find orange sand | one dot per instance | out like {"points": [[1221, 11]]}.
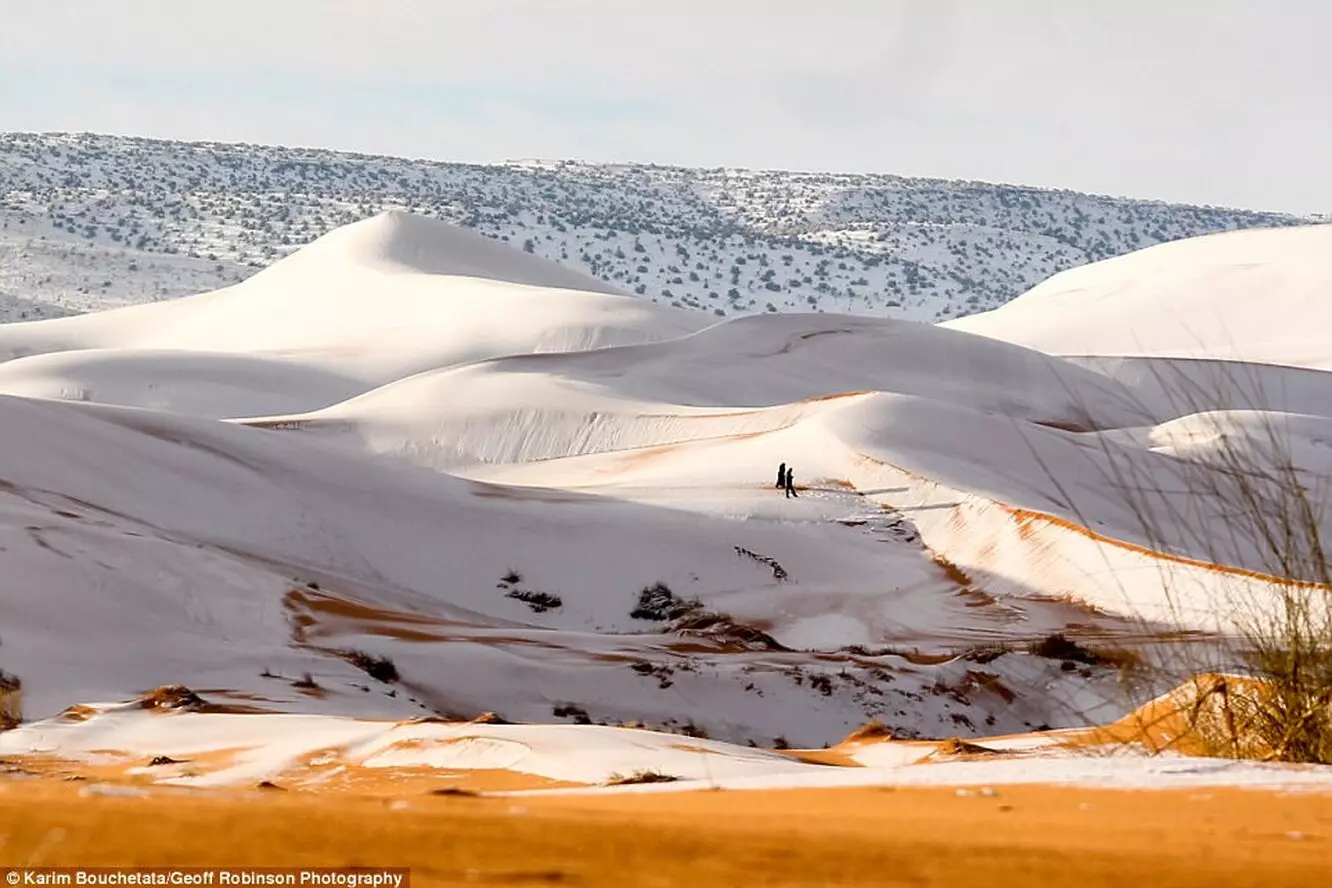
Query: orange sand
{"points": [[1024, 836]]}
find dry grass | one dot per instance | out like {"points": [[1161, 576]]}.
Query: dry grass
{"points": [[1264, 689], [11, 701], [641, 776]]}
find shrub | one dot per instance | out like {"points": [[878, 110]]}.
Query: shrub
{"points": [[378, 668], [658, 602], [577, 713], [539, 602], [723, 629], [11, 710], [640, 776], [1058, 647]]}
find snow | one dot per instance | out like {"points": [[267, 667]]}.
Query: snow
{"points": [[532, 407], [268, 746], [363, 303], [212, 384], [1260, 295], [89, 222], [353, 450], [291, 749]]}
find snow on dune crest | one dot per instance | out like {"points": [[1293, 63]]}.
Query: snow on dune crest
{"points": [[213, 384], [739, 377], [766, 360], [1260, 295], [1262, 441], [470, 415], [1169, 388], [364, 302], [395, 241], [281, 747]]}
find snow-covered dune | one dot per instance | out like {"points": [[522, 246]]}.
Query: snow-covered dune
{"points": [[1262, 295], [187, 556], [395, 241], [543, 498], [740, 377], [1022, 509], [374, 301], [320, 753], [213, 384], [1174, 387]]}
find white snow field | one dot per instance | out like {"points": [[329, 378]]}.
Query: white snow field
{"points": [[407, 471], [1260, 295]]}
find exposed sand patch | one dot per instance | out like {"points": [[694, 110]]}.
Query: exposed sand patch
{"points": [[323, 771]]}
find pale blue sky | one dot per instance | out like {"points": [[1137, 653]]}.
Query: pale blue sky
{"points": [[1206, 101]]}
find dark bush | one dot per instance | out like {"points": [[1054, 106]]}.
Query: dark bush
{"points": [[658, 602], [378, 668]]}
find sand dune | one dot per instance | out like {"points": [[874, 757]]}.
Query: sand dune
{"points": [[316, 753], [211, 384], [374, 301], [1259, 295], [706, 385], [402, 444]]}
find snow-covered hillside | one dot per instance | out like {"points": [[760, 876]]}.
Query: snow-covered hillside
{"points": [[90, 222]]}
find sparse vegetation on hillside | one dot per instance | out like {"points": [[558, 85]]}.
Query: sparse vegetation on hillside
{"points": [[538, 601], [658, 602], [690, 618], [778, 572], [377, 667], [90, 221]]}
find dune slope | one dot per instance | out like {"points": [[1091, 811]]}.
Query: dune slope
{"points": [[1262, 295], [406, 473]]}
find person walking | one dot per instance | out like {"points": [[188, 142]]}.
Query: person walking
{"points": [[781, 477], [790, 483]]}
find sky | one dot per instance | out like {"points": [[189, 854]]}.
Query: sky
{"points": [[1220, 102]]}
